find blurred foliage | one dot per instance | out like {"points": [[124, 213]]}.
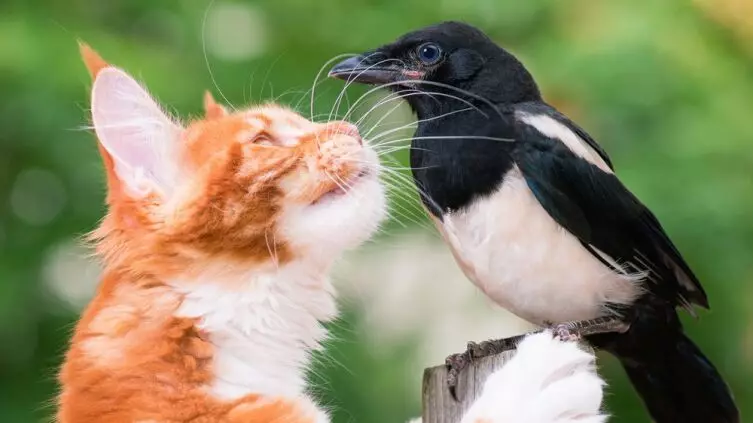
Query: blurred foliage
{"points": [[666, 86]]}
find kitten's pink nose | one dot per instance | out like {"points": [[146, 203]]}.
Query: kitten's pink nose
{"points": [[345, 128]]}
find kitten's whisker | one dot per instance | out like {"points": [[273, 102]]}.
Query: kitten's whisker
{"points": [[423, 194], [288, 92], [353, 78], [382, 150], [304, 96], [449, 137], [319, 74], [385, 100], [411, 125], [394, 193], [345, 183], [206, 57], [266, 76], [351, 192], [353, 108], [396, 96], [433, 95], [407, 213], [383, 134], [336, 105], [250, 87], [365, 164], [402, 95], [482, 99], [397, 83], [384, 116], [395, 181], [332, 178], [399, 175]]}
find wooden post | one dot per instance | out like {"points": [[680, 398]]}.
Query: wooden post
{"points": [[438, 404]]}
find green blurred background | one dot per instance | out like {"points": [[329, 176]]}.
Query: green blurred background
{"points": [[666, 86]]}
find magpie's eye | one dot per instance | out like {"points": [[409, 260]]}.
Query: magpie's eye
{"points": [[429, 53]]}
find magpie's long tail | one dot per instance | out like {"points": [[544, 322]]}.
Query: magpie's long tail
{"points": [[676, 382]]}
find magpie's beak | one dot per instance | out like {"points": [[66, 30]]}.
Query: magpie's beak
{"points": [[360, 69]]}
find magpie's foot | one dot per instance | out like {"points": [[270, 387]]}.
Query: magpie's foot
{"points": [[566, 333], [455, 364], [576, 330]]}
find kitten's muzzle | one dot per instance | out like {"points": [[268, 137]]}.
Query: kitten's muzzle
{"points": [[344, 128]]}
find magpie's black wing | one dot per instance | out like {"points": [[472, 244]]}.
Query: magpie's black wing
{"points": [[609, 220]]}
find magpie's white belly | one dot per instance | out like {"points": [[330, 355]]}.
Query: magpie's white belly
{"points": [[511, 248]]}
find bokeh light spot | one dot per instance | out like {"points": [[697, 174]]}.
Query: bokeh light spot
{"points": [[235, 31], [37, 196], [71, 273]]}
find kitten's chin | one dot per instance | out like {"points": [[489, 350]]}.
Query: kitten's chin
{"points": [[339, 220], [342, 189]]}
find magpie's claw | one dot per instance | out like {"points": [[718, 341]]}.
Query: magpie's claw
{"points": [[455, 364]]}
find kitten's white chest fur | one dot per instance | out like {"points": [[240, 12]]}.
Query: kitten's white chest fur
{"points": [[262, 328], [511, 248]]}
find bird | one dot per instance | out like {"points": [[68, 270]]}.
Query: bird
{"points": [[535, 215]]}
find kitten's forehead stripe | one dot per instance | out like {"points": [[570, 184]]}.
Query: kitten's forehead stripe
{"points": [[257, 121]]}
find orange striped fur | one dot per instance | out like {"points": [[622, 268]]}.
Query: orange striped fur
{"points": [[242, 214]]}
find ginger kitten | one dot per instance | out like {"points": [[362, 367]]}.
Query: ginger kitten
{"points": [[216, 246]]}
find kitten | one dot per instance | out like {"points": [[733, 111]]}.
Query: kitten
{"points": [[216, 247]]}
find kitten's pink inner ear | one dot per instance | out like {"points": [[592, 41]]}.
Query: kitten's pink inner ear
{"points": [[139, 136]]}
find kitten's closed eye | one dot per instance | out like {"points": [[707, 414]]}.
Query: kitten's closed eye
{"points": [[264, 138]]}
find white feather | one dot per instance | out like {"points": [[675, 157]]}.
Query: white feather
{"points": [[557, 130], [522, 259]]}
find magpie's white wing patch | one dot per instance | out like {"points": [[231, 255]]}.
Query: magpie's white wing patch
{"points": [[551, 128]]}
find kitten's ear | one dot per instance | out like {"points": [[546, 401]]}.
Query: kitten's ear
{"points": [[93, 61], [212, 109], [139, 138]]}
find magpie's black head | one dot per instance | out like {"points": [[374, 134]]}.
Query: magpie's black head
{"points": [[450, 53]]}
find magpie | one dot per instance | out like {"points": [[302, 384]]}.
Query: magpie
{"points": [[534, 214]]}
